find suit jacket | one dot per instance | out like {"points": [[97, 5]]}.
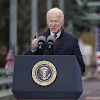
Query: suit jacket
{"points": [[66, 44]]}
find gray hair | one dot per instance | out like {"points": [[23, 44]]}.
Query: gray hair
{"points": [[56, 10]]}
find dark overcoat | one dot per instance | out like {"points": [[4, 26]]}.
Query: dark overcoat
{"points": [[66, 44]]}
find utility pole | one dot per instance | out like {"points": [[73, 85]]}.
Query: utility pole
{"points": [[13, 24], [49, 4], [34, 27], [61, 5]]}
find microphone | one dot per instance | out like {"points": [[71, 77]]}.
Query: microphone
{"points": [[41, 41], [51, 41]]}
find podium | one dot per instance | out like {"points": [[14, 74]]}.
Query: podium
{"points": [[67, 84]]}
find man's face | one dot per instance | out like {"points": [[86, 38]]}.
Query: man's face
{"points": [[54, 21]]}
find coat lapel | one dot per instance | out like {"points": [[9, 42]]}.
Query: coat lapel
{"points": [[46, 33]]}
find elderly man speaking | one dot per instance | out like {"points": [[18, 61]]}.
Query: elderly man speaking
{"points": [[65, 43]]}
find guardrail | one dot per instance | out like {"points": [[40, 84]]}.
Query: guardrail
{"points": [[5, 84]]}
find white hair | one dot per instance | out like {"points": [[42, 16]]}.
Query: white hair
{"points": [[56, 10]]}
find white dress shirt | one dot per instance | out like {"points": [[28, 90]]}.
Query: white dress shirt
{"points": [[58, 34]]}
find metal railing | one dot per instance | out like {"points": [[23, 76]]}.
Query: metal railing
{"points": [[5, 84]]}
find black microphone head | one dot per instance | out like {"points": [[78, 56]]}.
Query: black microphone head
{"points": [[41, 42], [42, 38], [51, 39]]}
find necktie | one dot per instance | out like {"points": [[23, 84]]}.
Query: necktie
{"points": [[55, 35], [55, 40]]}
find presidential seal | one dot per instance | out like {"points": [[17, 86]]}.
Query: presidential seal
{"points": [[44, 73]]}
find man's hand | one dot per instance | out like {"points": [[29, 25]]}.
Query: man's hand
{"points": [[34, 43]]}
